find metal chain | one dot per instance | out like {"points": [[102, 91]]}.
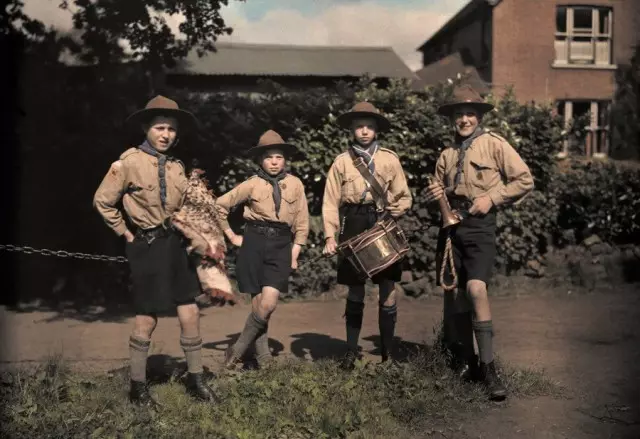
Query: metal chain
{"points": [[61, 253]]}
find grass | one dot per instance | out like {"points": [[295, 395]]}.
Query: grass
{"points": [[290, 399]]}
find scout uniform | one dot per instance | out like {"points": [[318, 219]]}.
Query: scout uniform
{"points": [[348, 209], [152, 187], [483, 164], [277, 216]]}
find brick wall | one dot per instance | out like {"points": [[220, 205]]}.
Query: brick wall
{"points": [[523, 50]]}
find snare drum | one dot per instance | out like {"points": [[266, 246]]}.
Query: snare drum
{"points": [[375, 249]]}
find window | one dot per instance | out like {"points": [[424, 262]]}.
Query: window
{"points": [[583, 35], [595, 141]]}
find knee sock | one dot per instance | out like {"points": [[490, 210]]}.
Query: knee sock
{"points": [[192, 347], [253, 328], [262, 347], [387, 316], [353, 312], [464, 330], [484, 335], [138, 350]]}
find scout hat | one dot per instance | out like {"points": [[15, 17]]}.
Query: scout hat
{"points": [[162, 106], [362, 110], [272, 140], [465, 95]]}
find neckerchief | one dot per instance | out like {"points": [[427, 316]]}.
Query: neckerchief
{"points": [[162, 161], [367, 156], [273, 180], [463, 143]]}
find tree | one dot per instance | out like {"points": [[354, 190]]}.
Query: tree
{"points": [[107, 25]]}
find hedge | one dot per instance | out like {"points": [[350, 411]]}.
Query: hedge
{"points": [[418, 135], [72, 147]]}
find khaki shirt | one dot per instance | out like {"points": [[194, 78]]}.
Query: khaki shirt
{"points": [[261, 207], [345, 184], [134, 180], [491, 167]]}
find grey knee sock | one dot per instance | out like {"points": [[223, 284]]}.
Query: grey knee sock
{"points": [[253, 328], [484, 335], [192, 347], [263, 353], [138, 350]]}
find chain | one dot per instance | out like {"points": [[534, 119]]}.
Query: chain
{"points": [[60, 253]]}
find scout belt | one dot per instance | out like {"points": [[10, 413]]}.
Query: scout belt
{"points": [[269, 229], [150, 235]]}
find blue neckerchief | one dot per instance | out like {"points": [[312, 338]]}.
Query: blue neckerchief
{"points": [[162, 160], [273, 180], [367, 156], [463, 144]]}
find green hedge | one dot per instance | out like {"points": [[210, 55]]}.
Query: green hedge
{"points": [[418, 135]]}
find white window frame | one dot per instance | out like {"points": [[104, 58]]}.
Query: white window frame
{"points": [[596, 52], [594, 128]]}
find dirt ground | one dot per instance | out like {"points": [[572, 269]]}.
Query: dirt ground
{"points": [[588, 343]]}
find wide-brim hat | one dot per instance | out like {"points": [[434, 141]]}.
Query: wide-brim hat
{"points": [[162, 106], [363, 110], [465, 95], [272, 140]]}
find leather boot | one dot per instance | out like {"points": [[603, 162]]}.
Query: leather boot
{"points": [[470, 370], [349, 360], [230, 358], [198, 388], [139, 394], [497, 391]]}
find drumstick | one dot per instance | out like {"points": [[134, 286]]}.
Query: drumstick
{"points": [[317, 258]]}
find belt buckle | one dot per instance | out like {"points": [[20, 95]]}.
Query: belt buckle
{"points": [[270, 232]]}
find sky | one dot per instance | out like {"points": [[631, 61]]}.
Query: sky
{"points": [[402, 24]]}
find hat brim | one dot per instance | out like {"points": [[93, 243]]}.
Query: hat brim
{"points": [[344, 120], [287, 149], [186, 120], [448, 109]]}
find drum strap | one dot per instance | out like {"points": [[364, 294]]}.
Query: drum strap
{"points": [[377, 191]]}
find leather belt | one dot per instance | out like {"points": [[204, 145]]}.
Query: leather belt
{"points": [[150, 235], [268, 230]]}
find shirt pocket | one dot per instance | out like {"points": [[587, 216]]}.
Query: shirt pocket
{"points": [[261, 201], [483, 173], [352, 186], [146, 194], [289, 207], [177, 185]]}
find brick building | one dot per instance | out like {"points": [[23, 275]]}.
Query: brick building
{"points": [[556, 51]]}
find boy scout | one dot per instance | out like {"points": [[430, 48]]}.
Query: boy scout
{"points": [[277, 226], [349, 209], [478, 173], [152, 186]]}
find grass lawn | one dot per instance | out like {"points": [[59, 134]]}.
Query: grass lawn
{"points": [[289, 399]]}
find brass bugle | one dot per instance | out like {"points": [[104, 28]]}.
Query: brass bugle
{"points": [[448, 217]]}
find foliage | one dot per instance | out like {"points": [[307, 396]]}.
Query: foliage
{"points": [[600, 198], [625, 112], [143, 25], [291, 399], [114, 31]]}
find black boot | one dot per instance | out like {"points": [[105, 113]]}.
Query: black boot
{"points": [[387, 316], [469, 370], [139, 394], [491, 380], [348, 362], [198, 388]]}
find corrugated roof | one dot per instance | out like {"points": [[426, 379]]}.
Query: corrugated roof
{"points": [[448, 68], [287, 60]]}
